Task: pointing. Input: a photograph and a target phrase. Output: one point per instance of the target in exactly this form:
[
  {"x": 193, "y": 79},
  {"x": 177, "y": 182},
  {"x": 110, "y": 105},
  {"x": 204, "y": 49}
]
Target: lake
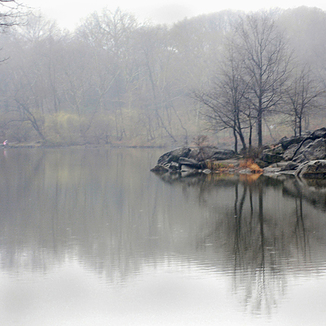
[{"x": 89, "y": 236}]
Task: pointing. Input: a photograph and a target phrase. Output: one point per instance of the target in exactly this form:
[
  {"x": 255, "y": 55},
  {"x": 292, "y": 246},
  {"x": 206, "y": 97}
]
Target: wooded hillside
[{"x": 117, "y": 81}]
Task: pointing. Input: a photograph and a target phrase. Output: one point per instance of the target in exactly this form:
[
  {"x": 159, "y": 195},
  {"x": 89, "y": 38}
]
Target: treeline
[{"x": 117, "y": 81}]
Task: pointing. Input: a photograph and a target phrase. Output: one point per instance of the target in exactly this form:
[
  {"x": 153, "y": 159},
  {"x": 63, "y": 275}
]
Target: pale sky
[{"x": 69, "y": 12}]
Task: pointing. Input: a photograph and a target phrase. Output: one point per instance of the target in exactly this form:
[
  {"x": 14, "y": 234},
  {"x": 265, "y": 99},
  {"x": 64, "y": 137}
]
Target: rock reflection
[
  {"x": 266, "y": 238},
  {"x": 103, "y": 208}
]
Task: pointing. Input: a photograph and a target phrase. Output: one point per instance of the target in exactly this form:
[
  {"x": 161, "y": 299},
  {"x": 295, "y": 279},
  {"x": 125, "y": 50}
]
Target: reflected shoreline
[{"x": 105, "y": 210}]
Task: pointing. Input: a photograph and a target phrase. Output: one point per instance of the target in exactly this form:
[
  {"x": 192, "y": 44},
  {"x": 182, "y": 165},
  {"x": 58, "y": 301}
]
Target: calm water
[{"x": 91, "y": 237}]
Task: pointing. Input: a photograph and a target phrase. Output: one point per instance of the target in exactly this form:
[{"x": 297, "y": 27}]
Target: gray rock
[
  {"x": 289, "y": 153},
  {"x": 174, "y": 167},
  {"x": 313, "y": 169},
  {"x": 273, "y": 154},
  {"x": 270, "y": 157},
  {"x": 160, "y": 169},
  {"x": 174, "y": 155},
  {"x": 197, "y": 154},
  {"x": 290, "y": 166},
  {"x": 202, "y": 153},
  {"x": 286, "y": 142},
  {"x": 207, "y": 171},
  {"x": 319, "y": 133},
  {"x": 224, "y": 154},
  {"x": 311, "y": 150},
  {"x": 190, "y": 162}
]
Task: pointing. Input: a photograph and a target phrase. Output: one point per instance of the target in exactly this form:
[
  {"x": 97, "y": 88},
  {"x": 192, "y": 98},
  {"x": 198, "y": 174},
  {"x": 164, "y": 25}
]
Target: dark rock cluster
[
  {"x": 188, "y": 160},
  {"x": 303, "y": 156}
]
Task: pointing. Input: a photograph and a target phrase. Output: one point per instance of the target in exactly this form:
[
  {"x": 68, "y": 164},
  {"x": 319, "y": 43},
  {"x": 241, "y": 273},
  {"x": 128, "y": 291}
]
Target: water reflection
[
  {"x": 105, "y": 210},
  {"x": 269, "y": 230}
]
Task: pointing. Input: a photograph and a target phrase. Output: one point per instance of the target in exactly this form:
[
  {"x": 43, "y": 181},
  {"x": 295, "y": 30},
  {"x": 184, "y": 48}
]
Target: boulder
[
  {"x": 190, "y": 163},
  {"x": 289, "y": 152},
  {"x": 202, "y": 153},
  {"x": 271, "y": 158},
  {"x": 174, "y": 167},
  {"x": 319, "y": 133},
  {"x": 290, "y": 166},
  {"x": 190, "y": 160},
  {"x": 285, "y": 157},
  {"x": 210, "y": 153},
  {"x": 286, "y": 142},
  {"x": 301, "y": 149},
  {"x": 312, "y": 170},
  {"x": 273, "y": 154},
  {"x": 196, "y": 154},
  {"x": 310, "y": 150},
  {"x": 174, "y": 155},
  {"x": 160, "y": 169},
  {"x": 221, "y": 155}
]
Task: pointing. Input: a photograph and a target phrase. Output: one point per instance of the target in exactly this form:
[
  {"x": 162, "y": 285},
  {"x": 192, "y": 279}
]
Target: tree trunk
[
  {"x": 250, "y": 137},
  {"x": 235, "y": 141},
  {"x": 260, "y": 129},
  {"x": 300, "y": 126},
  {"x": 243, "y": 141}
]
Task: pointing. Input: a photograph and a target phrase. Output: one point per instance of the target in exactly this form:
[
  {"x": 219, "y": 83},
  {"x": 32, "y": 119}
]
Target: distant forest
[{"x": 239, "y": 79}]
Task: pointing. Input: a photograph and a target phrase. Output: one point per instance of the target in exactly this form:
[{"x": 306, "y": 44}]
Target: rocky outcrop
[
  {"x": 173, "y": 156},
  {"x": 286, "y": 142},
  {"x": 190, "y": 160},
  {"x": 272, "y": 155},
  {"x": 297, "y": 149},
  {"x": 307, "y": 150},
  {"x": 312, "y": 170},
  {"x": 298, "y": 154},
  {"x": 303, "y": 156}
]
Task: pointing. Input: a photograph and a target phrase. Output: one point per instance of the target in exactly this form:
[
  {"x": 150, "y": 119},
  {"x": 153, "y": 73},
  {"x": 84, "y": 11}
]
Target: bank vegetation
[{"x": 240, "y": 79}]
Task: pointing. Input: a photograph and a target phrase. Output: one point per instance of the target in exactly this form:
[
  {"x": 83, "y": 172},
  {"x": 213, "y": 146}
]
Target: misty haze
[{"x": 90, "y": 236}]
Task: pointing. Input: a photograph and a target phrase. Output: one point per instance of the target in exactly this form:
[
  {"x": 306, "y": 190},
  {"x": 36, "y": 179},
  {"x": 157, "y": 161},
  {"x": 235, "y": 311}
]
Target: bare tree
[
  {"x": 110, "y": 38},
  {"x": 301, "y": 98},
  {"x": 115, "y": 80},
  {"x": 225, "y": 101},
  {"x": 252, "y": 75},
  {"x": 266, "y": 59},
  {"x": 9, "y": 13}
]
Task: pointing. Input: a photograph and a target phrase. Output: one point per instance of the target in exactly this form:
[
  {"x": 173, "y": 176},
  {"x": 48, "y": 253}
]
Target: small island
[{"x": 303, "y": 156}]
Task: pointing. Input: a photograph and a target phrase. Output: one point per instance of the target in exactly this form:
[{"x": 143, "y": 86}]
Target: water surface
[{"x": 91, "y": 237}]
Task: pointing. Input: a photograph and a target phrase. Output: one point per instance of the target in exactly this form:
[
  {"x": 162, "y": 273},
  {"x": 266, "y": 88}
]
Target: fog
[
  {"x": 117, "y": 80},
  {"x": 69, "y": 13}
]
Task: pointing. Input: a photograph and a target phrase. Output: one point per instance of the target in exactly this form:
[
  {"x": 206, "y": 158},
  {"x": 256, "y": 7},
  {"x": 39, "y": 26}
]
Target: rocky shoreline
[{"x": 303, "y": 156}]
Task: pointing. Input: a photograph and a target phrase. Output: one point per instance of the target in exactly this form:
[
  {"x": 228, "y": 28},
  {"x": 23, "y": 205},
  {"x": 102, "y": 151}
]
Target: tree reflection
[
  {"x": 265, "y": 229},
  {"x": 266, "y": 242},
  {"x": 104, "y": 209}
]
